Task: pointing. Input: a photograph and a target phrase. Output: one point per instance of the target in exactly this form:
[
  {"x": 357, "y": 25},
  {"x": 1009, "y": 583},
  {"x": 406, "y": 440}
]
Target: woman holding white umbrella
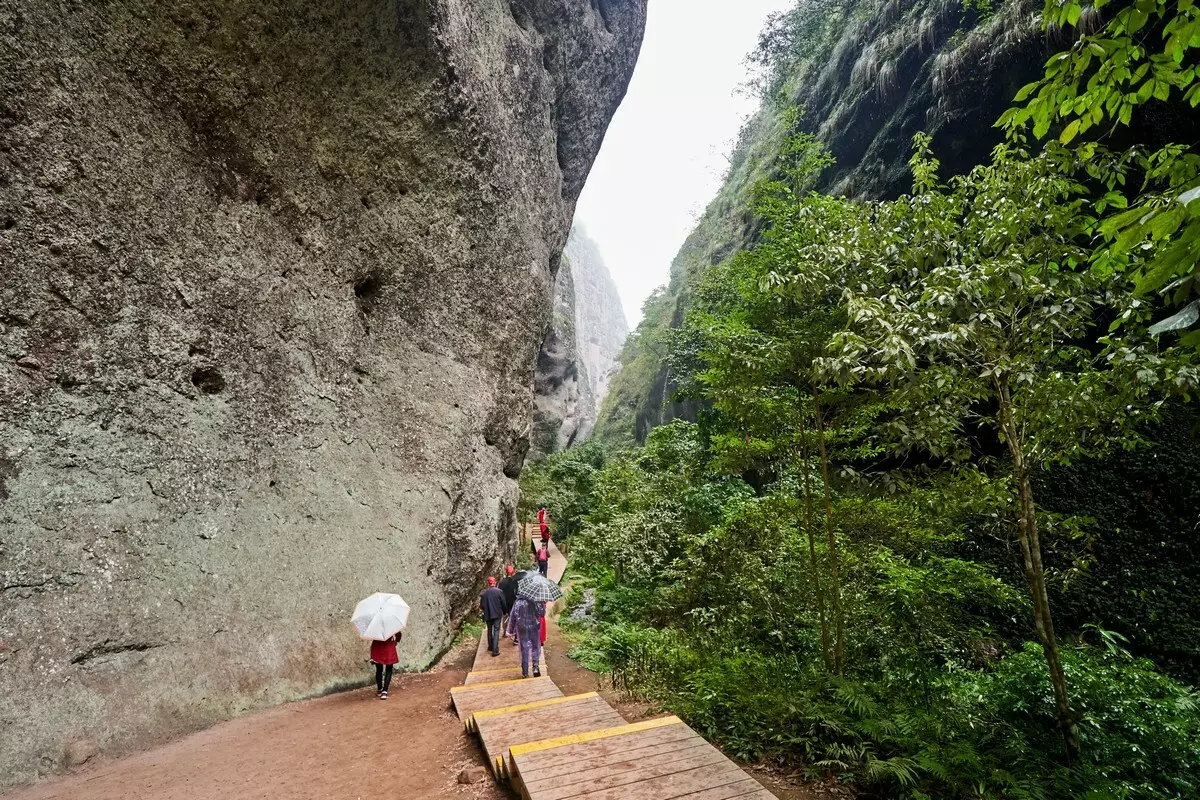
[{"x": 382, "y": 618}]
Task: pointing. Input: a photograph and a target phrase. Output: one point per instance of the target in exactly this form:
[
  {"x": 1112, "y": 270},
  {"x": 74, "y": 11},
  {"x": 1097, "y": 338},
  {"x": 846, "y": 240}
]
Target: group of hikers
[{"x": 520, "y": 619}]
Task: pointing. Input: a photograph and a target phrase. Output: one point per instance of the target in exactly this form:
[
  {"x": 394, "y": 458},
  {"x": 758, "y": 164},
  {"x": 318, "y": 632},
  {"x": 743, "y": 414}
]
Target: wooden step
[
  {"x": 482, "y": 696},
  {"x": 652, "y": 760},
  {"x": 501, "y": 729},
  {"x": 497, "y": 675}
]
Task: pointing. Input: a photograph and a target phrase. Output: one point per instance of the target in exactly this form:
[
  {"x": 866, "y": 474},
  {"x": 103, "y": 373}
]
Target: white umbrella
[{"x": 380, "y": 616}]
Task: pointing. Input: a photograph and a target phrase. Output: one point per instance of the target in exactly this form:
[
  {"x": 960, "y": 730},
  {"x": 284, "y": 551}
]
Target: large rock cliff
[
  {"x": 579, "y": 354},
  {"x": 563, "y": 403},
  {"x": 274, "y": 276},
  {"x": 600, "y": 323}
]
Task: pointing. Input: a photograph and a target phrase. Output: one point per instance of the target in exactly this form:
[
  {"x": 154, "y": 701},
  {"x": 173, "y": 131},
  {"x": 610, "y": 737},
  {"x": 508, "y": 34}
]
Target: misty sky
[{"x": 668, "y": 145}]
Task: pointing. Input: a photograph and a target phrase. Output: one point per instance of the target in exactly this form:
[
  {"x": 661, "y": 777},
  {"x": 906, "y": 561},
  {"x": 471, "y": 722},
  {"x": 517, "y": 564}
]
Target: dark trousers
[
  {"x": 543, "y": 566},
  {"x": 383, "y": 676},
  {"x": 493, "y": 628}
]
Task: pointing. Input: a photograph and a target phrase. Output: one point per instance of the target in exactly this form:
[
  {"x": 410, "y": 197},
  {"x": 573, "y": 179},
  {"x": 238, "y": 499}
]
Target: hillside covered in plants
[{"x": 897, "y": 484}]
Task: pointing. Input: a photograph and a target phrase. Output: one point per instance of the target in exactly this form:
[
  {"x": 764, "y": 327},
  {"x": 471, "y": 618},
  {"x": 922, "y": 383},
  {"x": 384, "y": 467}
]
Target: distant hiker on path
[
  {"x": 383, "y": 655},
  {"x": 542, "y": 516},
  {"x": 527, "y": 616},
  {"x": 491, "y": 603},
  {"x": 543, "y": 559}
]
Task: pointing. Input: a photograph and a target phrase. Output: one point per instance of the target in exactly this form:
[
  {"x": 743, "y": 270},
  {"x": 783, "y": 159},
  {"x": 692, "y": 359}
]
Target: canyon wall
[
  {"x": 580, "y": 352},
  {"x": 274, "y": 277},
  {"x": 600, "y": 323},
  {"x": 563, "y": 403}
]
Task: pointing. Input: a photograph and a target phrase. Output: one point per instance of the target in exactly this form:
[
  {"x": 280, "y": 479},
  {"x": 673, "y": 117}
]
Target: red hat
[
  {"x": 491, "y": 581},
  {"x": 508, "y": 569}
]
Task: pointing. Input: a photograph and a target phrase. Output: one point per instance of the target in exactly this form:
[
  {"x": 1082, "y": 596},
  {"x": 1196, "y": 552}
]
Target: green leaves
[{"x": 1146, "y": 52}]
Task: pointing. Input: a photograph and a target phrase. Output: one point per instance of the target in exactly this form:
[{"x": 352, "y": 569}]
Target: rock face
[
  {"x": 600, "y": 325},
  {"x": 563, "y": 400},
  {"x": 273, "y": 280},
  {"x": 579, "y": 354}
]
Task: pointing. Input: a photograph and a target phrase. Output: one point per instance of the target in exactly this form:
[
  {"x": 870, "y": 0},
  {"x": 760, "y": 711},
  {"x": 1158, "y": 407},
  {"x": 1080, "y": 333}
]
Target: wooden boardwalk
[{"x": 555, "y": 747}]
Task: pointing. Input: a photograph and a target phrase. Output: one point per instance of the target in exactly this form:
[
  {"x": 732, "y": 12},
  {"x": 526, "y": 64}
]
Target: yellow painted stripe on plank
[
  {"x": 504, "y": 669},
  {"x": 484, "y": 678},
  {"x": 491, "y": 712},
  {"x": 603, "y": 733},
  {"x": 498, "y": 767},
  {"x": 492, "y": 685}
]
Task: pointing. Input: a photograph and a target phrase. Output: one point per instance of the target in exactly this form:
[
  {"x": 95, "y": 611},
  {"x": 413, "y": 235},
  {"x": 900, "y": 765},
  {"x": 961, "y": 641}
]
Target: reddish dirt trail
[
  {"x": 345, "y": 746},
  {"x": 348, "y": 746}
]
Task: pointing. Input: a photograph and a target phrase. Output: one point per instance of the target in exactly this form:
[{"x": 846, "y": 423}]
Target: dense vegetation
[{"x": 912, "y": 538}]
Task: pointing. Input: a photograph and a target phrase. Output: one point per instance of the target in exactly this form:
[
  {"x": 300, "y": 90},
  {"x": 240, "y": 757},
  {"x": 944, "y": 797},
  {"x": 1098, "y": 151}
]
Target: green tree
[
  {"x": 1146, "y": 52},
  {"x": 977, "y": 311}
]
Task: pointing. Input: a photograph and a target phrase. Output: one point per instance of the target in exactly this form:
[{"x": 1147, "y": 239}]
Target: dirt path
[
  {"x": 345, "y": 746},
  {"x": 348, "y": 746}
]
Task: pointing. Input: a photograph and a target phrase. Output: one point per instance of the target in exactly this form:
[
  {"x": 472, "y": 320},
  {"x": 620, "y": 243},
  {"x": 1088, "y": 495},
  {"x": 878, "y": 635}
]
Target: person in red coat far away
[
  {"x": 383, "y": 655},
  {"x": 542, "y": 516}
]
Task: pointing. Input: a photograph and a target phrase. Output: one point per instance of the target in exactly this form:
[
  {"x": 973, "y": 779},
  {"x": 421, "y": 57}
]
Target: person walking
[
  {"x": 508, "y": 588},
  {"x": 510, "y": 628},
  {"x": 491, "y": 603},
  {"x": 384, "y": 657},
  {"x": 543, "y": 559},
  {"x": 527, "y": 616},
  {"x": 542, "y": 515}
]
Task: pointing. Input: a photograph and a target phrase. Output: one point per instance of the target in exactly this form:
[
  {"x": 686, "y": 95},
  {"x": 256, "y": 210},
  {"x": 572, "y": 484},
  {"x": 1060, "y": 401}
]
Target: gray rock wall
[
  {"x": 273, "y": 279},
  {"x": 600, "y": 322},
  {"x": 563, "y": 404},
  {"x": 579, "y": 353}
]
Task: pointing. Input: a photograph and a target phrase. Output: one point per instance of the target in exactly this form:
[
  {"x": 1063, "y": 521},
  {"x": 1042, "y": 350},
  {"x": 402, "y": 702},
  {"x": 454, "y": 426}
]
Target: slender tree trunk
[
  {"x": 835, "y": 583},
  {"x": 814, "y": 567},
  {"x": 1035, "y": 576}
]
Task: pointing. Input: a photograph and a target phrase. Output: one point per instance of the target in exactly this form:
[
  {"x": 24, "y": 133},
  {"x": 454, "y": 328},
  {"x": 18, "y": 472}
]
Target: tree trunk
[
  {"x": 835, "y": 584},
  {"x": 814, "y": 567},
  {"x": 1035, "y": 576}
]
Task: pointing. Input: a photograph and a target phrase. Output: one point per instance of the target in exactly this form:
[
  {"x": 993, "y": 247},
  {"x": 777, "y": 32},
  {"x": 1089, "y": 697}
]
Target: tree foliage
[{"x": 870, "y": 555}]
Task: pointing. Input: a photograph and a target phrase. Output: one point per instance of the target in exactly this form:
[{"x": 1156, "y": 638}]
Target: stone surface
[
  {"x": 579, "y": 354},
  {"x": 286, "y": 266},
  {"x": 600, "y": 325},
  {"x": 80, "y": 752},
  {"x": 473, "y": 775},
  {"x": 563, "y": 402}
]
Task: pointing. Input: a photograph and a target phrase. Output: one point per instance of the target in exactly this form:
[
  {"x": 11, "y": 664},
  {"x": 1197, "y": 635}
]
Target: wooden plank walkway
[
  {"x": 501, "y": 729},
  {"x": 558, "y": 562},
  {"x": 554, "y": 747}
]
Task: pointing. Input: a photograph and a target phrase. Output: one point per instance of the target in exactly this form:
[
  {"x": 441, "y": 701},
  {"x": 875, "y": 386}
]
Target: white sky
[{"x": 668, "y": 144}]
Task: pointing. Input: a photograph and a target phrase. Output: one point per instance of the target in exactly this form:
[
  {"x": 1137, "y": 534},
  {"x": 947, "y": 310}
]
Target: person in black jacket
[
  {"x": 508, "y": 587},
  {"x": 491, "y": 603}
]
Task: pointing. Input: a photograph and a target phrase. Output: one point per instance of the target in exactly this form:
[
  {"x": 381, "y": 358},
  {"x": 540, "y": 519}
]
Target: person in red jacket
[
  {"x": 542, "y": 515},
  {"x": 383, "y": 655}
]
